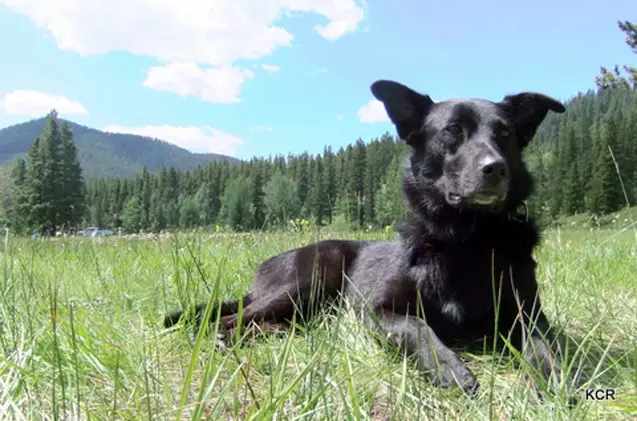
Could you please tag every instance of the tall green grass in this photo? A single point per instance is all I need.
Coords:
(81, 337)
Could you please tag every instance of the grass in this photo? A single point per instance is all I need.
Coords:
(81, 337)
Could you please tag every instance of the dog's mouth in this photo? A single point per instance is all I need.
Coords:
(487, 198)
(483, 198)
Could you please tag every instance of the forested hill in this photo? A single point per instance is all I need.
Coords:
(105, 155)
(571, 155)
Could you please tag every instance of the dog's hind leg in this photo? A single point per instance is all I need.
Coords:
(277, 307)
(227, 307)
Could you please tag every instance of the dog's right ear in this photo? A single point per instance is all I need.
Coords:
(405, 107)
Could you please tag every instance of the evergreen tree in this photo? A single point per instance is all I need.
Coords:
(73, 203)
(605, 188)
(236, 204)
(20, 193)
(157, 214)
(144, 196)
(133, 214)
(31, 197)
(317, 196)
(50, 156)
(329, 182)
(189, 213)
(615, 79)
(390, 203)
(573, 196)
(281, 199)
(257, 194)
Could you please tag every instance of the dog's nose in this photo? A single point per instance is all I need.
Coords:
(494, 169)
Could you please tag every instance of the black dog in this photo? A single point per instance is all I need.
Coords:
(465, 252)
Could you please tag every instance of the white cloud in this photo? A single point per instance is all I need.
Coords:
(317, 72)
(262, 128)
(270, 68)
(340, 117)
(220, 85)
(210, 32)
(194, 138)
(37, 104)
(204, 32)
(373, 112)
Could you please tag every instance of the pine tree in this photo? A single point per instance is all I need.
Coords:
(97, 212)
(31, 195)
(573, 194)
(236, 208)
(189, 213)
(329, 181)
(50, 155)
(20, 192)
(144, 196)
(390, 204)
(614, 79)
(303, 181)
(605, 188)
(257, 194)
(317, 196)
(360, 167)
(132, 217)
(281, 199)
(73, 204)
(157, 216)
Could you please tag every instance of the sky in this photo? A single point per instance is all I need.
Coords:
(252, 78)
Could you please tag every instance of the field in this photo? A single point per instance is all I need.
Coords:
(81, 337)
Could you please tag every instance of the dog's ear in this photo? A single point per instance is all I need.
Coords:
(405, 107)
(527, 111)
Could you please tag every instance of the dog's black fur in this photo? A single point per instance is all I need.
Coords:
(465, 251)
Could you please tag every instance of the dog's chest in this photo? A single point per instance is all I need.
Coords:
(475, 282)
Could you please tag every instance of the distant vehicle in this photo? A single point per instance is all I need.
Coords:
(101, 233)
(93, 232)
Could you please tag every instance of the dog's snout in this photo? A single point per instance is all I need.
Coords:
(494, 169)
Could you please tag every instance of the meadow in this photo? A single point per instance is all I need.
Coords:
(81, 337)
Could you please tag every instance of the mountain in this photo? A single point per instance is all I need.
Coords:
(104, 154)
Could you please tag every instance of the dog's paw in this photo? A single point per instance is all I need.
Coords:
(221, 342)
(553, 389)
(455, 375)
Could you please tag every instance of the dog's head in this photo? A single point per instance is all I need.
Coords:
(467, 153)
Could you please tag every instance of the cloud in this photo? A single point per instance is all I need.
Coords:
(262, 128)
(205, 33)
(270, 68)
(340, 117)
(373, 112)
(317, 72)
(201, 139)
(37, 104)
(220, 85)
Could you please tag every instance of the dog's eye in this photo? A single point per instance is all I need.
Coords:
(454, 129)
(504, 133)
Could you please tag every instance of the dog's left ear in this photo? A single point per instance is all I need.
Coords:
(405, 107)
(527, 111)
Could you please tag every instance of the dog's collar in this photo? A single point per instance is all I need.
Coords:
(519, 214)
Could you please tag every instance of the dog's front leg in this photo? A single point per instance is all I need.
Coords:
(536, 342)
(443, 366)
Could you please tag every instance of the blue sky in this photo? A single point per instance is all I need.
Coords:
(260, 77)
